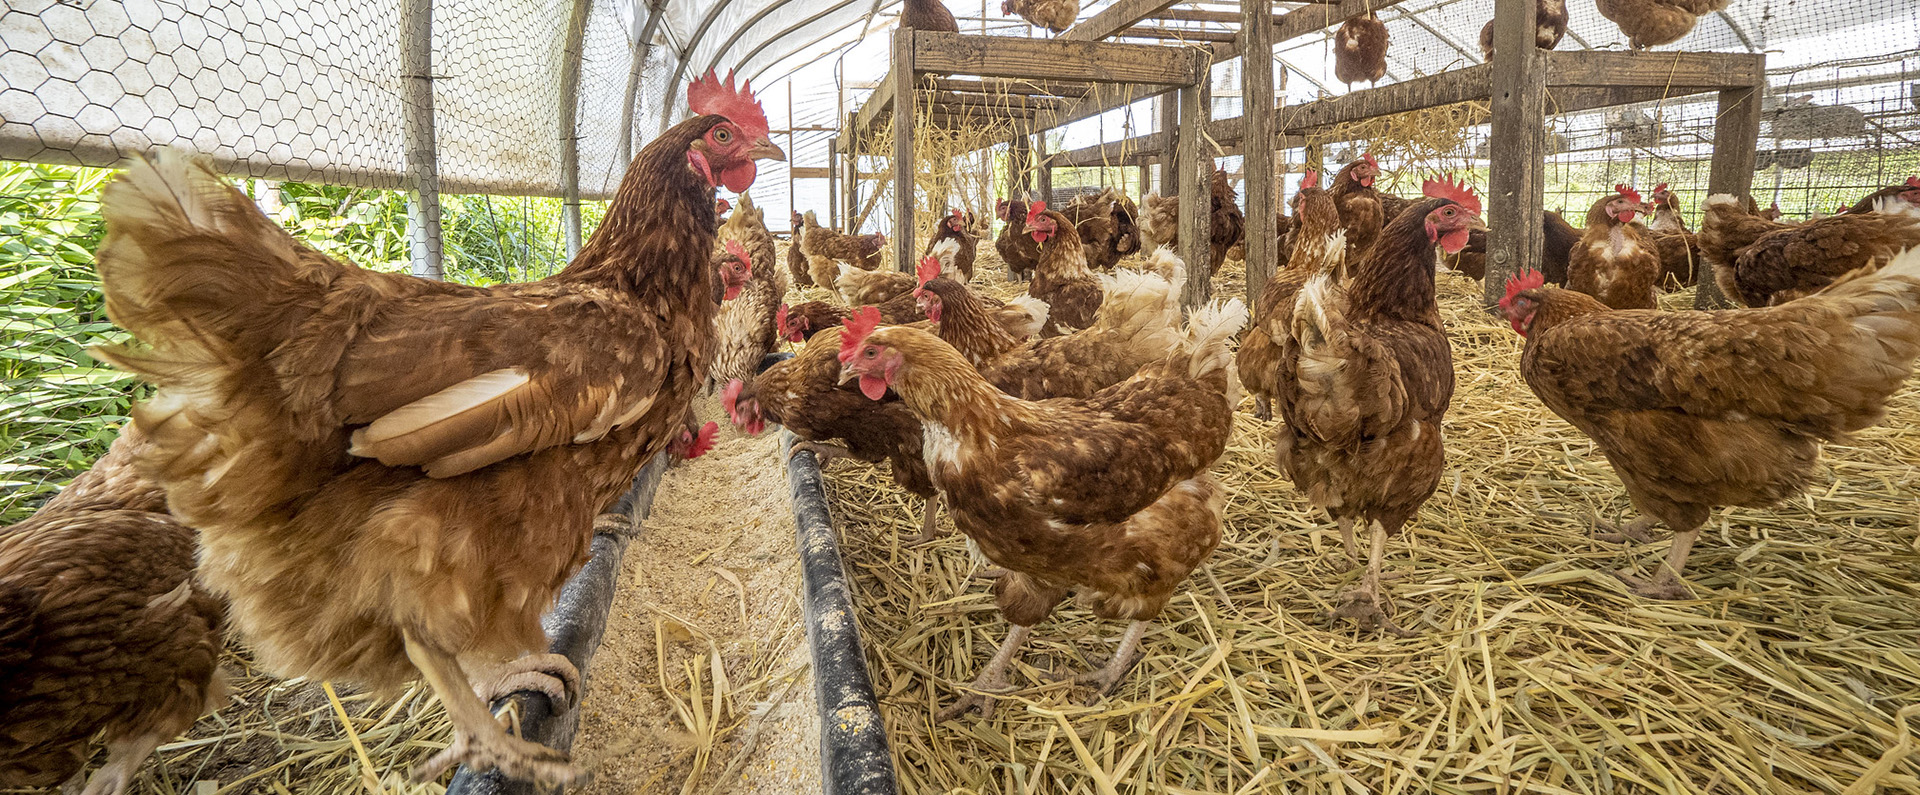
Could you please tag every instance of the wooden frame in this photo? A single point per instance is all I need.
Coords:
(973, 66)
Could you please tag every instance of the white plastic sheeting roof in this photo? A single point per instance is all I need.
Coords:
(311, 89)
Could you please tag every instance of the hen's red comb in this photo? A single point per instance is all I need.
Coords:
(1627, 192)
(739, 251)
(1036, 208)
(721, 205)
(730, 397)
(958, 214)
(1454, 190)
(780, 317)
(1311, 180)
(1527, 280)
(1660, 188)
(703, 441)
(709, 97)
(858, 325)
(929, 268)
(1913, 182)
(1370, 161)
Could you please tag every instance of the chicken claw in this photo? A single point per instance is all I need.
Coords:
(929, 525)
(992, 679)
(513, 757)
(1369, 605)
(1635, 530)
(1665, 586)
(1109, 676)
(551, 675)
(479, 740)
(822, 452)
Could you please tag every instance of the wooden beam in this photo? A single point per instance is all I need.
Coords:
(1001, 86)
(1122, 152)
(1446, 88)
(1736, 134)
(1311, 19)
(1043, 175)
(880, 101)
(1057, 59)
(1022, 106)
(1115, 18)
(1517, 195)
(904, 63)
(1169, 107)
(1196, 206)
(1256, 90)
(805, 172)
(1221, 17)
(1676, 70)
(1104, 98)
(1180, 34)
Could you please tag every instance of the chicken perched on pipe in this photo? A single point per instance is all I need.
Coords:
(391, 476)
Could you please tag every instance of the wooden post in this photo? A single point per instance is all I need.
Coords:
(850, 186)
(1019, 159)
(1043, 173)
(570, 125)
(1518, 191)
(903, 93)
(423, 169)
(1196, 206)
(833, 183)
(1736, 133)
(1170, 127)
(1256, 143)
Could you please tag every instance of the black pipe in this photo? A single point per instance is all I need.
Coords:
(574, 626)
(854, 756)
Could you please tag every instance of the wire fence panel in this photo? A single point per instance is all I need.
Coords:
(311, 91)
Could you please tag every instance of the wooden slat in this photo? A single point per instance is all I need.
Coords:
(1022, 106)
(1256, 87)
(1196, 206)
(905, 60)
(1169, 107)
(1432, 91)
(1104, 98)
(1674, 69)
(1127, 151)
(1000, 86)
(1186, 15)
(880, 101)
(1517, 194)
(1117, 17)
(1057, 59)
(1180, 34)
(809, 172)
(1736, 134)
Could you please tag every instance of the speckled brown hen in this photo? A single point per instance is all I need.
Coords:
(1908, 192)
(1549, 25)
(927, 15)
(751, 286)
(1137, 323)
(1798, 260)
(1321, 249)
(393, 476)
(1698, 410)
(1362, 213)
(102, 631)
(1062, 278)
(826, 248)
(1018, 249)
(1615, 261)
(957, 227)
(1054, 15)
(796, 258)
(1366, 378)
(1360, 50)
(1651, 23)
(1108, 495)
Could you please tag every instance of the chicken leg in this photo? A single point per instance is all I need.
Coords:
(822, 452)
(1110, 675)
(479, 741)
(124, 758)
(992, 679)
(1667, 583)
(929, 524)
(1635, 530)
(1369, 605)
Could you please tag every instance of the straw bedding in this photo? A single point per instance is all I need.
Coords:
(1796, 669)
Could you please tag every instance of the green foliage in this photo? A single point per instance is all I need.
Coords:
(61, 408)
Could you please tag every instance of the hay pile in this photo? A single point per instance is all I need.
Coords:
(1796, 670)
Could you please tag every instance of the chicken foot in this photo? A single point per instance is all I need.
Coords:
(822, 451)
(1369, 605)
(1109, 676)
(124, 758)
(551, 675)
(929, 524)
(479, 741)
(1635, 530)
(992, 679)
(1667, 584)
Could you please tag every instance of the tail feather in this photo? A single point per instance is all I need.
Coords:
(1140, 314)
(1209, 329)
(945, 251)
(1033, 312)
(1335, 368)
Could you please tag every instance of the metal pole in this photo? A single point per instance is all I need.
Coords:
(423, 170)
(570, 124)
(636, 74)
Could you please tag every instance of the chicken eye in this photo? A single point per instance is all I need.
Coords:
(722, 135)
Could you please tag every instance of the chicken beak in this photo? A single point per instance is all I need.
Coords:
(848, 374)
(764, 149)
(1476, 225)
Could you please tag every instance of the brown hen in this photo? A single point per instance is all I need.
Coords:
(1615, 261)
(393, 476)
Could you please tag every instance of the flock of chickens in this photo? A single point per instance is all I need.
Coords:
(374, 478)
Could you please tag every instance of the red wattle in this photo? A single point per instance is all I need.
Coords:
(873, 386)
(740, 177)
(733, 291)
(1453, 241)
